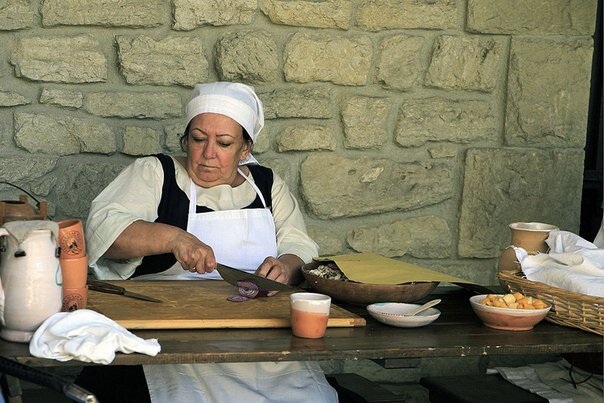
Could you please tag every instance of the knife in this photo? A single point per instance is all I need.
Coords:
(102, 286)
(232, 276)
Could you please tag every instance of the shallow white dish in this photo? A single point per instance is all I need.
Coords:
(392, 313)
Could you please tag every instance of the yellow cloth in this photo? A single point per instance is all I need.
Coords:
(370, 268)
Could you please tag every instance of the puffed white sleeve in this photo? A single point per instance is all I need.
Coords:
(133, 195)
(292, 237)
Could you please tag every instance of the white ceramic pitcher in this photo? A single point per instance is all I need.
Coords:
(30, 277)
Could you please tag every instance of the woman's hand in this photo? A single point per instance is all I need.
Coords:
(192, 254)
(284, 270)
(143, 238)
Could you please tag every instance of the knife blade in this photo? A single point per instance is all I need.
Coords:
(102, 286)
(232, 275)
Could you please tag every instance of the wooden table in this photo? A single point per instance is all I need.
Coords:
(457, 333)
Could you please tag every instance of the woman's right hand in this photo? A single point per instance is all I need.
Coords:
(192, 254)
(143, 238)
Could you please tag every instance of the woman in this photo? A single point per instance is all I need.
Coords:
(175, 217)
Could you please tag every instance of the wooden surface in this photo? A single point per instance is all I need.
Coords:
(456, 333)
(201, 305)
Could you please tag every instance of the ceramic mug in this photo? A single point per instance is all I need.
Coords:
(74, 272)
(74, 299)
(71, 239)
(309, 314)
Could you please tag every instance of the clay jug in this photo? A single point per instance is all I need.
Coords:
(529, 236)
(30, 277)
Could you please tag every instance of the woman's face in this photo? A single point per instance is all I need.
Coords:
(214, 146)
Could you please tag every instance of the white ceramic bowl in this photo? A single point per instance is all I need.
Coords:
(507, 318)
(392, 313)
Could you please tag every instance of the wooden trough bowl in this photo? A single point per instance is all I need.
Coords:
(364, 294)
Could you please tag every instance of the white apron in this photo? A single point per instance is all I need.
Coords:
(243, 239)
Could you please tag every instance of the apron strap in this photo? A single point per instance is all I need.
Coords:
(192, 198)
(258, 192)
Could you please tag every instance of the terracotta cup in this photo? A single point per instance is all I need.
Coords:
(74, 272)
(71, 239)
(531, 236)
(74, 299)
(309, 314)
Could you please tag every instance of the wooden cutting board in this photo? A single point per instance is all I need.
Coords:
(200, 305)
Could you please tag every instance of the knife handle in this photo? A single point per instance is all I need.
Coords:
(105, 287)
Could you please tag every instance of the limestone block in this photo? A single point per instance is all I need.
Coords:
(480, 271)
(263, 143)
(10, 98)
(69, 99)
(106, 13)
(438, 119)
(421, 237)
(16, 14)
(281, 167)
(305, 138)
(444, 151)
(465, 63)
(548, 92)
(80, 182)
(169, 61)
(141, 141)
(341, 60)
(378, 15)
(62, 135)
(75, 59)
(532, 16)
(334, 186)
(399, 64)
(328, 238)
(25, 169)
(141, 105)
(297, 103)
(247, 55)
(190, 14)
(173, 132)
(323, 14)
(502, 186)
(42, 186)
(365, 122)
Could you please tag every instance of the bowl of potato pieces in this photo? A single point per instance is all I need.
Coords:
(509, 311)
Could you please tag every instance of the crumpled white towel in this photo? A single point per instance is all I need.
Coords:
(551, 381)
(87, 336)
(572, 264)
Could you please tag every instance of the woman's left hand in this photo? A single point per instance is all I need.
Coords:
(284, 270)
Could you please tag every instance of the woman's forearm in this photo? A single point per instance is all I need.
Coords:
(143, 238)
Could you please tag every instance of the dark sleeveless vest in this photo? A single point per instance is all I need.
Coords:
(173, 209)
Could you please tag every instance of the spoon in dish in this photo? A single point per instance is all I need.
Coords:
(422, 308)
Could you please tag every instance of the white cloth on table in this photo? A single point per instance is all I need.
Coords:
(572, 264)
(552, 381)
(87, 336)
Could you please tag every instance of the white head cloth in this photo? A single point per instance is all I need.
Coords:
(235, 100)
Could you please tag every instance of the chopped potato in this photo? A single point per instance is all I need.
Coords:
(513, 301)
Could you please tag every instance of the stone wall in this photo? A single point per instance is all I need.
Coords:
(414, 129)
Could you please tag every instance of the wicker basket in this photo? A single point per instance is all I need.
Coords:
(568, 308)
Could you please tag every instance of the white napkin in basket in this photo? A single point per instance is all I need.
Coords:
(87, 336)
(572, 264)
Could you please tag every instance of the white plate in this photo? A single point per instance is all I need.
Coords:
(392, 313)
